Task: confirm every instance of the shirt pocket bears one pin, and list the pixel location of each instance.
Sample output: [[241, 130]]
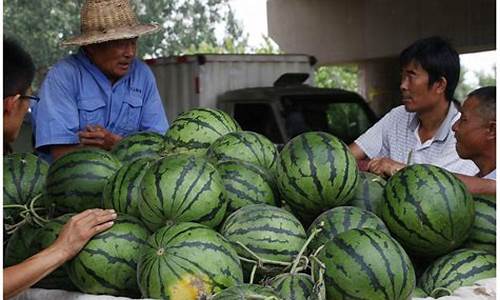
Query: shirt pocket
[[130, 113], [91, 111]]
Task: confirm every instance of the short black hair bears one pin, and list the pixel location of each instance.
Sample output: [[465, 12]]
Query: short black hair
[[18, 68], [487, 97], [438, 58]]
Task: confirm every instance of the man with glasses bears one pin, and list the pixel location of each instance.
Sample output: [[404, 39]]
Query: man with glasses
[[18, 73], [103, 92]]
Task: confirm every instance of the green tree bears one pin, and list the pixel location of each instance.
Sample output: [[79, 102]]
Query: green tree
[[482, 78], [342, 77], [42, 24]]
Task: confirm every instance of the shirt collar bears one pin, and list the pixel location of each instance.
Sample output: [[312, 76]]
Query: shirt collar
[[444, 129]]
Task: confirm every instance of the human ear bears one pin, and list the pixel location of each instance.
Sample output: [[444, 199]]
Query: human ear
[[440, 85], [492, 130], [9, 103]]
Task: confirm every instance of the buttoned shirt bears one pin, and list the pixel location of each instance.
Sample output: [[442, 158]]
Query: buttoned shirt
[[492, 175], [76, 93], [396, 136]]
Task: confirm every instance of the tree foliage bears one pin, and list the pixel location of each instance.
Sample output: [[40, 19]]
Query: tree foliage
[[342, 77], [41, 25], [483, 78]]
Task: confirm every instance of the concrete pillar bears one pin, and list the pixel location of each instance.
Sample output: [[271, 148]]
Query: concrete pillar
[[379, 83]]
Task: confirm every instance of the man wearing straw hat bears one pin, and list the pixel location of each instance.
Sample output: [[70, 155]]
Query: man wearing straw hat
[[103, 92]]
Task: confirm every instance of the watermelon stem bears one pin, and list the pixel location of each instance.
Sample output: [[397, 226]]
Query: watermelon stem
[[319, 283], [261, 261], [304, 247]]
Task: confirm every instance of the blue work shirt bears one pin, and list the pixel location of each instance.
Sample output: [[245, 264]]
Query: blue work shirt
[[76, 93]]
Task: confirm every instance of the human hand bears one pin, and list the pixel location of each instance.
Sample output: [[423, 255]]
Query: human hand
[[384, 166], [98, 136], [81, 228]]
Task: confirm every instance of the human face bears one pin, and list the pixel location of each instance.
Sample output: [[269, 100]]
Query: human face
[[15, 108], [113, 58], [471, 131], [417, 96]]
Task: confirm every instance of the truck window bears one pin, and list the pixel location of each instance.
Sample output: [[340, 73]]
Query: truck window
[[345, 120], [258, 117]]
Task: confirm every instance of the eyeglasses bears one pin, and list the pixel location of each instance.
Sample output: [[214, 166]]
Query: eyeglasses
[[34, 99]]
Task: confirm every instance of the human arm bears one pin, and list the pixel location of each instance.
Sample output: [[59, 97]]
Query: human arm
[[477, 185], [98, 136], [73, 237], [384, 166], [358, 153], [153, 117]]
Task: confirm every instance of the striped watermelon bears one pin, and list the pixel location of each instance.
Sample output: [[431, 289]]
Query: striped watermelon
[[187, 261], [182, 188], [58, 279], [108, 263], [459, 268], [122, 190], [247, 292], [483, 235], [244, 145], [369, 194], [293, 286], [366, 264], [138, 145], [340, 219], [316, 172], [18, 248], [247, 183], [24, 176], [270, 232], [76, 180], [195, 130], [428, 210]]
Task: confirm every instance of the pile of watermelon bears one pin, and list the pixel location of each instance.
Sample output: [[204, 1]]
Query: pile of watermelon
[[209, 211]]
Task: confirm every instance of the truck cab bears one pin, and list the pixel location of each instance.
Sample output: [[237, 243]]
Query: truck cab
[[290, 107]]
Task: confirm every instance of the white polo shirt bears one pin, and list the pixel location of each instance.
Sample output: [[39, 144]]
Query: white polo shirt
[[396, 136]]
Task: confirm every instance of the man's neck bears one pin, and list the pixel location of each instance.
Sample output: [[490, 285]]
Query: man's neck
[[431, 120], [487, 162]]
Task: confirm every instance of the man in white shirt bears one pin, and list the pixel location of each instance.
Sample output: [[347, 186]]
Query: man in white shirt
[[419, 131], [475, 132]]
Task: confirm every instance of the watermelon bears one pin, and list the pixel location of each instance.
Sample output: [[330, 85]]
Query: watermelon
[[18, 248], [340, 219], [187, 261], [270, 232], [369, 194], [428, 210], [483, 234], [244, 145], [247, 183], [247, 292], [122, 190], [316, 172], [462, 267], [139, 145], [46, 236], [108, 263], [195, 130], [182, 188], [76, 180], [293, 286], [366, 264], [24, 176]]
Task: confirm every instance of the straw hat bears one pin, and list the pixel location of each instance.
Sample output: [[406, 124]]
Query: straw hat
[[107, 20]]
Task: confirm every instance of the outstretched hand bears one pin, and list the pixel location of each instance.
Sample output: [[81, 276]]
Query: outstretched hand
[[98, 136], [81, 228], [384, 166]]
